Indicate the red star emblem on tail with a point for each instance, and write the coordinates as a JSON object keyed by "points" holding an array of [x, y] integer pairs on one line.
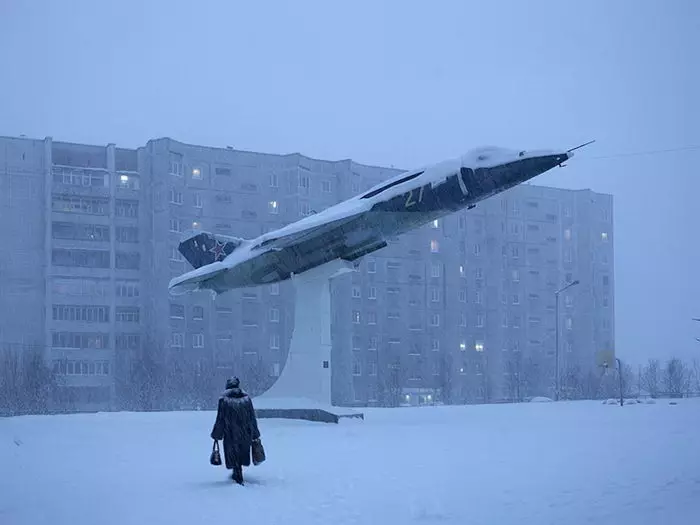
{"points": [[218, 250]]}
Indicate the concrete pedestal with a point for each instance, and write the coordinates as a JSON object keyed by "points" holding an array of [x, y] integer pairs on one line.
{"points": [[303, 389]]}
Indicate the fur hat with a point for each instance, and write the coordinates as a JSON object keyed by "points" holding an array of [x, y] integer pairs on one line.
{"points": [[233, 382]]}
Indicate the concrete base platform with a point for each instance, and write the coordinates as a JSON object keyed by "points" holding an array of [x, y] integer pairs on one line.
{"points": [[300, 408]]}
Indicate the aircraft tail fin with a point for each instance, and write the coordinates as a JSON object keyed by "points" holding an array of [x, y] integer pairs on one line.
{"points": [[202, 248]]}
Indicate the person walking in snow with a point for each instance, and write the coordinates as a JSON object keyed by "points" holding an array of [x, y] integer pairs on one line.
{"points": [[237, 425]]}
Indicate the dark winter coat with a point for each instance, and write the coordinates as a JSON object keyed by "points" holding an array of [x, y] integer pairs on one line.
{"points": [[237, 425]]}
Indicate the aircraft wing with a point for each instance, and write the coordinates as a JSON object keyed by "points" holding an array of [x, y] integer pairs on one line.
{"points": [[312, 232]]}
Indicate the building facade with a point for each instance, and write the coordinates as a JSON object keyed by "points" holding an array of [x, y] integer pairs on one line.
{"points": [[460, 311]]}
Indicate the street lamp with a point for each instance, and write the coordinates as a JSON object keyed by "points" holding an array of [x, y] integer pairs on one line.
{"points": [[556, 350], [619, 372]]}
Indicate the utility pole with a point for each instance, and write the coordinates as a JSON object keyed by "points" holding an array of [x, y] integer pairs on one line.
{"points": [[556, 344]]}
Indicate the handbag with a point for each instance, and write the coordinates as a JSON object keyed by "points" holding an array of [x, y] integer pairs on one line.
{"points": [[215, 458], [258, 452]]}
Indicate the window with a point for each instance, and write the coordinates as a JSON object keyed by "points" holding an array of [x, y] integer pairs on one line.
{"points": [[127, 314], [356, 365], [567, 234], [504, 321], [86, 314], [198, 340], [515, 252], [126, 208], [356, 317], [479, 346], [479, 320], [79, 232], [129, 234], [435, 320], [569, 301], [273, 207], [371, 317], [80, 258], [462, 319], [326, 186], [569, 323], [127, 288], [74, 204], [434, 246], [606, 280], [515, 274], [274, 288], [372, 344], [435, 295], [177, 311], [435, 224], [275, 371], [435, 345], [177, 340], [478, 273], [568, 255], [355, 187], [304, 209], [462, 272], [567, 210], [175, 225], [462, 296], [372, 266], [462, 346], [196, 173], [356, 292], [435, 270], [128, 260], [477, 298], [477, 249], [198, 313], [274, 180], [222, 171], [197, 200], [604, 237], [372, 293], [175, 196], [176, 168], [274, 341], [516, 298], [462, 222], [304, 183], [274, 315], [372, 369]]}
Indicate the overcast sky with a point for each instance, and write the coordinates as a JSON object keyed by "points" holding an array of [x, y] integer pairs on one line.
{"points": [[401, 83]]}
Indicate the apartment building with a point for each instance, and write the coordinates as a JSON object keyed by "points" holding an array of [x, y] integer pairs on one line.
{"points": [[461, 310]]}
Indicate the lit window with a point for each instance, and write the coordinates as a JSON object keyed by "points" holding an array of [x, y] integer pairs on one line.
{"points": [[479, 346], [567, 234], [273, 206], [196, 173], [356, 317], [462, 346], [124, 179], [436, 223], [461, 370], [604, 237], [462, 273], [434, 246]]}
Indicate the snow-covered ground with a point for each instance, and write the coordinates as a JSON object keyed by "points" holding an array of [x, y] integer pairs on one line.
{"points": [[540, 463]]}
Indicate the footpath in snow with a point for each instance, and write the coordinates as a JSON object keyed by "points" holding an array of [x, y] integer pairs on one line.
{"points": [[543, 463]]}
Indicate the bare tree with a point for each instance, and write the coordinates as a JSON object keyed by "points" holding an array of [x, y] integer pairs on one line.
{"points": [[513, 378], [25, 380], [445, 378], [629, 380], [651, 378], [572, 383], [676, 377], [695, 386]]}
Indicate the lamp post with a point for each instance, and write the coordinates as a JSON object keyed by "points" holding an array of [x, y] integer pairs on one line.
{"points": [[556, 344], [619, 373]]}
